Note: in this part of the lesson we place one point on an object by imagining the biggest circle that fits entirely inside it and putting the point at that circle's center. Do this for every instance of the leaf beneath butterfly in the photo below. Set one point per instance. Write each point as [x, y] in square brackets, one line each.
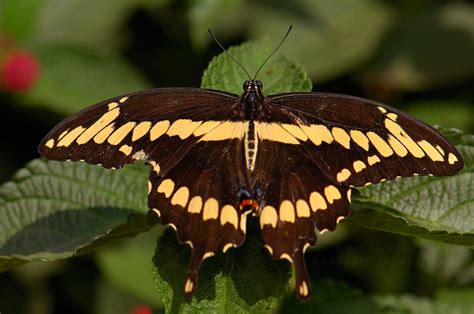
[243, 280]
[53, 210]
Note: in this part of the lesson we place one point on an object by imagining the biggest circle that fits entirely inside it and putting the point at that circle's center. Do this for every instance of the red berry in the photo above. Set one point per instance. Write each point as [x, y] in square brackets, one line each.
[142, 310]
[18, 72]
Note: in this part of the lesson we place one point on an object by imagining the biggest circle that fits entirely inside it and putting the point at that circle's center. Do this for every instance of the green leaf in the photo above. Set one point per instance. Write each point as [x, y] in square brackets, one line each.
[52, 210]
[127, 265]
[435, 208]
[341, 36]
[279, 75]
[428, 49]
[73, 78]
[18, 17]
[331, 297]
[243, 280]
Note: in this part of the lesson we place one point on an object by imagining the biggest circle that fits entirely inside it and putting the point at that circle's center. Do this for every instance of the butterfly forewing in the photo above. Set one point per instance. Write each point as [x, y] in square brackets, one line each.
[356, 141]
[160, 123]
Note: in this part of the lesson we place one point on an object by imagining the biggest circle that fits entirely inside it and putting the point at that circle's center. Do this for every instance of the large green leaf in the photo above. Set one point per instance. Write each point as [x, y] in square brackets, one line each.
[279, 75]
[241, 281]
[53, 210]
[73, 78]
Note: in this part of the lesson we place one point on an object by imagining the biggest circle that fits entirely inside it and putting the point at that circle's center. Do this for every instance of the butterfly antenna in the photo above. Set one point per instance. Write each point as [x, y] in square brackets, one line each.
[225, 50]
[275, 50]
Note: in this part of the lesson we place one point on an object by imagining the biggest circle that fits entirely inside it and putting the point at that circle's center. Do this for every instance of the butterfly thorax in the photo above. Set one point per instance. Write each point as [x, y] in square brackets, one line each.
[252, 100]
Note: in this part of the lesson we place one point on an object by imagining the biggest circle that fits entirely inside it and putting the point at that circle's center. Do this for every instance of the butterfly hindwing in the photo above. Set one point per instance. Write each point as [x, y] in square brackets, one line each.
[295, 196]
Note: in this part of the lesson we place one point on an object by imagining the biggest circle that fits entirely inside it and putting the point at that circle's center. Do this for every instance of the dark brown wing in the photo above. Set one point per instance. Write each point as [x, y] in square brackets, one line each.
[199, 198]
[296, 195]
[313, 147]
[356, 141]
[160, 123]
[192, 139]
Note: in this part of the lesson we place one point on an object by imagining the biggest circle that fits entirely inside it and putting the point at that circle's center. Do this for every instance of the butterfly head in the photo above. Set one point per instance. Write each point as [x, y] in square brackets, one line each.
[253, 90]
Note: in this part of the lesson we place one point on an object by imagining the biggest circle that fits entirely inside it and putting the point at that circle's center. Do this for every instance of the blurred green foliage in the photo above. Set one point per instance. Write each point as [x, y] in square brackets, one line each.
[416, 55]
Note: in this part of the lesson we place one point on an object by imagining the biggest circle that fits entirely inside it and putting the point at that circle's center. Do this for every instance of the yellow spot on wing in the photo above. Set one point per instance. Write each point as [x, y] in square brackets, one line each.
[382, 109]
[195, 205]
[180, 197]
[382, 147]
[372, 160]
[227, 247]
[432, 152]
[360, 139]
[274, 132]
[269, 249]
[268, 216]
[70, 137]
[159, 129]
[341, 136]
[183, 128]
[206, 127]
[359, 165]
[112, 105]
[332, 193]
[211, 209]
[287, 257]
[121, 133]
[62, 134]
[452, 158]
[229, 215]
[140, 130]
[399, 149]
[225, 131]
[296, 131]
[317, 133]
[127, 150]
[188, 286]
[149, 186]
[287, 211]
[97, 126]
[49, 143]
[302, 208]
[166, 187]
[303, 289]
[243, 222]
[317, 201]
[404, 138]
[338, 220]
[392, 116]
[123, 99]
[343, 175]
[104, 134]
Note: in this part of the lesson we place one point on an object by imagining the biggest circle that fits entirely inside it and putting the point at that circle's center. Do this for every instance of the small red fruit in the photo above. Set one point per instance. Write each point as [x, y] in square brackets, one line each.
[142, 310]
[19, 71]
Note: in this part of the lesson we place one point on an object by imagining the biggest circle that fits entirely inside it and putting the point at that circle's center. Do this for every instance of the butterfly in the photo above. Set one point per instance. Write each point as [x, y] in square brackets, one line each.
[290, 159]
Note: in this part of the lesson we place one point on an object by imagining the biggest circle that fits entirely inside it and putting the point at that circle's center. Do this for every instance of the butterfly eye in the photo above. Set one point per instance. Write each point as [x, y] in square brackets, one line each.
[246, 85]
[259, 84]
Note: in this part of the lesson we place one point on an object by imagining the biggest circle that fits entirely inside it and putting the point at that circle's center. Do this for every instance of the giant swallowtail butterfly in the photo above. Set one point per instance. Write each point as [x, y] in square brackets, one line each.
[290, 159]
